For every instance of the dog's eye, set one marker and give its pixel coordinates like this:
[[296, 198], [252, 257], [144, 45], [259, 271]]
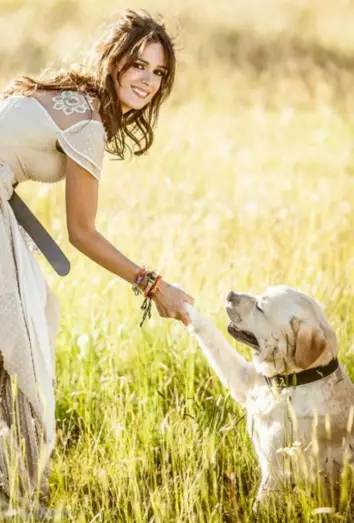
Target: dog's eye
[[259, 308]]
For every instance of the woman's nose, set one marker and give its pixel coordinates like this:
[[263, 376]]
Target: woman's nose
[[147, 78]]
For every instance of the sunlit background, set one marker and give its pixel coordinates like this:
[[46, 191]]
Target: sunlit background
[[250, 183]]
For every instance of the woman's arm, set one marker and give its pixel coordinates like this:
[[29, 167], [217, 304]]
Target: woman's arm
[[81, 194], [81, 209]]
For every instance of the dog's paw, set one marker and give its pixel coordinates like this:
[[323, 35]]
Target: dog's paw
[[178, 286], [192, 313], [197, 319]]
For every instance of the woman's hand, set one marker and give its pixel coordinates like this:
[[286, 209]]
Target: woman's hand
[[169, 301]]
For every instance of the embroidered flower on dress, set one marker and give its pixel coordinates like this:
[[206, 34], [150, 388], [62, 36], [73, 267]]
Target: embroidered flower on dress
[[72, 102]]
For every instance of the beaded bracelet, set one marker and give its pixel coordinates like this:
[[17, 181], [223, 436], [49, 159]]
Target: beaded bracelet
[[146, 283]]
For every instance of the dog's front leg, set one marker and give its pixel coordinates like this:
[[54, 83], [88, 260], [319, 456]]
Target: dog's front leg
[[234, 371]]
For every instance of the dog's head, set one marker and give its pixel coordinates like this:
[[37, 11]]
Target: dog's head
[[286, 329]]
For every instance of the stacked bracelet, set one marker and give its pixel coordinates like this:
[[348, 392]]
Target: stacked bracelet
[[146, 283], [152, 286]]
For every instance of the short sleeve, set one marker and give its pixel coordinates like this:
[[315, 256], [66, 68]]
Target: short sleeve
[[84, 142]]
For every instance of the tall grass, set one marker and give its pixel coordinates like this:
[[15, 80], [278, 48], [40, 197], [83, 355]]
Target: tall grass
[[249, 183]]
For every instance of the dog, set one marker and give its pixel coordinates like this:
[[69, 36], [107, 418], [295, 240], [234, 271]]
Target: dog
[[299, 399]]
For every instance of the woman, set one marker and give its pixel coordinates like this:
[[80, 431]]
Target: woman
[[77, 116]]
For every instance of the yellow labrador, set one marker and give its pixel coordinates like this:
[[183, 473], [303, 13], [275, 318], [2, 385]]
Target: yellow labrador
[[299, 399]]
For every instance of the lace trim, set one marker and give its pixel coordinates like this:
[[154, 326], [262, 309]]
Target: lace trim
[[29, 242], [71, 102]]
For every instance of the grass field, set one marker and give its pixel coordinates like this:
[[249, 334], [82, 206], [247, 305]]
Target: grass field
[[250, 183]]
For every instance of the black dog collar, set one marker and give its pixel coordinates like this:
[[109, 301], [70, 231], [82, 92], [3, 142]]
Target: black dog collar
[[283, 381]]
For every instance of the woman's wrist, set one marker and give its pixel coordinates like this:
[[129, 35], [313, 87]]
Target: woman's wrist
[[146, 283]]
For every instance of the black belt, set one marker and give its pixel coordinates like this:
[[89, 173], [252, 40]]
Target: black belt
[[39, 235]]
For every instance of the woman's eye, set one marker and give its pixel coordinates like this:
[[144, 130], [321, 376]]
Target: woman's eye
[[259, 308], [138, 65], [160, 73]]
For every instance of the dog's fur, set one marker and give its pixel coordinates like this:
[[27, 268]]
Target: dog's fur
[[303, 433]]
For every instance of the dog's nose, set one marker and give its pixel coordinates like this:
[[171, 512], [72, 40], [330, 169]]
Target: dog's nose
[[233, 297]]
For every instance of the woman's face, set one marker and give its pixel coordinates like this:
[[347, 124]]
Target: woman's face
[[142, 80]]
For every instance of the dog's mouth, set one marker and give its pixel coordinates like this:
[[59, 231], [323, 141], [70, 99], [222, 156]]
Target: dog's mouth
[[245, 337]]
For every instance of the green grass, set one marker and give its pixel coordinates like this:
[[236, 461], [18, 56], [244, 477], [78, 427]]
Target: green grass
[[250, 183]]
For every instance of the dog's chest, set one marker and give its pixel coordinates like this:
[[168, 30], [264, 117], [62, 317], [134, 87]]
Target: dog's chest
[[265, 404], [278, 419], [269, 419]]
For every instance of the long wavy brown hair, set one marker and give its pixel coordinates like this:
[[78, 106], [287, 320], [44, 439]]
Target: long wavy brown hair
[[122, 40]]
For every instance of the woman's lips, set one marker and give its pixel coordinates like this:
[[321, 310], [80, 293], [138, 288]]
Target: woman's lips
[[140, 92]]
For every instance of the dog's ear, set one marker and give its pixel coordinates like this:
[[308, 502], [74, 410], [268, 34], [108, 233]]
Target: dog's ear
[[309, 345]]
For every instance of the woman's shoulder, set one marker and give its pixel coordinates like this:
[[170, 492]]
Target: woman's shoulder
[[68, 107]]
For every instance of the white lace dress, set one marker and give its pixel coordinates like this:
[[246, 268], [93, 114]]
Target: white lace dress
[[29, 316]]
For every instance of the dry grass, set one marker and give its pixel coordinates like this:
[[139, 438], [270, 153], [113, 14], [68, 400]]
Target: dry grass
[[250, 183]]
